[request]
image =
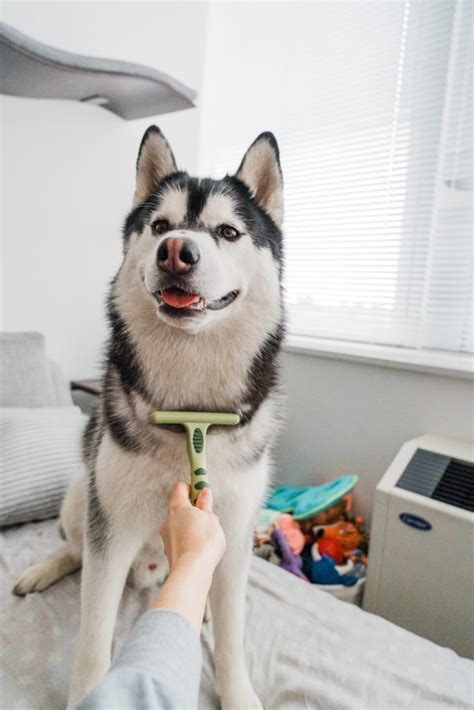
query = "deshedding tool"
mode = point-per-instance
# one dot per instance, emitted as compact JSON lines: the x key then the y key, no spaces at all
{"x":196,"y":425}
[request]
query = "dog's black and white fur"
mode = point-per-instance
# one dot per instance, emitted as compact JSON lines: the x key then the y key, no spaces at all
{"x":218,"y":354}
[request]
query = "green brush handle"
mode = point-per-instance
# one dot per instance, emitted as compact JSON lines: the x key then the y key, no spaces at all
{"x":196,"y":445}
{"x":196,"y":425}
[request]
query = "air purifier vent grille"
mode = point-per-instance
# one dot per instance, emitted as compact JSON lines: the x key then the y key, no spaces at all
{"x":441,"y":478}
{"x":456,"y":487}
{"x":423,"y":472}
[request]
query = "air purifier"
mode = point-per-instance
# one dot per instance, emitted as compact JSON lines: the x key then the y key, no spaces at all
{"x":421,"y":566}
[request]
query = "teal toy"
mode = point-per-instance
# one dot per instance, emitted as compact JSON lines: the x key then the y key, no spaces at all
{"x":196,"y":425}
{"x":307,"y":501}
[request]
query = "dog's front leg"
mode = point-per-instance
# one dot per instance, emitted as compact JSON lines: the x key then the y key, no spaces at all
{"x":104,"y":572}
{"x":227,"y":598}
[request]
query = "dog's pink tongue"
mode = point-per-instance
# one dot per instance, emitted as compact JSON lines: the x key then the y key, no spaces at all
{"x":178,"y":299}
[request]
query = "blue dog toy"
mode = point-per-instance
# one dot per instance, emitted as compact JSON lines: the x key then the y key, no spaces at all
{"x":307,"y":501}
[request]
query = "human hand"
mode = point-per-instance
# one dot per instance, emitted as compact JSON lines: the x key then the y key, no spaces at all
{"x":190,"y":533}
{"x":194,"y":545}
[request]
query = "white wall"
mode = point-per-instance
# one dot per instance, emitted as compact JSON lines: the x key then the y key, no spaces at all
{"x":68,"y":168}
{"x":347,"y":417}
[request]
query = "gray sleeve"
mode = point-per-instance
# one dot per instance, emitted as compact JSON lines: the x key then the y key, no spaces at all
{"x":159,"y":666}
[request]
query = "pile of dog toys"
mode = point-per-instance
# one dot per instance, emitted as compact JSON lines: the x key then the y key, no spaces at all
{"x":313,"y":533}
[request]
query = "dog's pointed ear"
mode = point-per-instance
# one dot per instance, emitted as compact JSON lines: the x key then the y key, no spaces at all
{"x":155,"y":161}
{"x":260,"y":170}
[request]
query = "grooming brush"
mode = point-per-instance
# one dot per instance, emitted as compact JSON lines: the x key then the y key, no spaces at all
{"x":196,"y":425}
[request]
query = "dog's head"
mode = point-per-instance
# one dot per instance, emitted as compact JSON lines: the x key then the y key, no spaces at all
{"x":200,"y":248}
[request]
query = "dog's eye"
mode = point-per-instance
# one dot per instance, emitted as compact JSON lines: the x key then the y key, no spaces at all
{"x":228,"y":232}
{"x":160,"y":226}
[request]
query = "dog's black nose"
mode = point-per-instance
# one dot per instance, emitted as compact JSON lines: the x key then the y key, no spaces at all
{"x":177,"y":256}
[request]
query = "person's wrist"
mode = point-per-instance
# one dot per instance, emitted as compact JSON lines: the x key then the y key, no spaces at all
{"x":199,"y":565}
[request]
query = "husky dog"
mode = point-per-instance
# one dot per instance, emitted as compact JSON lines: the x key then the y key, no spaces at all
{"x":195,"y":316}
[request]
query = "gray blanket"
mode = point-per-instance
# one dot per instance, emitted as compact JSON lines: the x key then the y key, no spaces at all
{"x":305,"y":649}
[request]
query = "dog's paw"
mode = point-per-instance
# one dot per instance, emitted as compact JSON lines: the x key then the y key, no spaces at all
{"x":35,"y":579}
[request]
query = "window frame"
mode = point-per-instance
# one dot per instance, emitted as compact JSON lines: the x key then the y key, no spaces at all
{"x":427,"y":361}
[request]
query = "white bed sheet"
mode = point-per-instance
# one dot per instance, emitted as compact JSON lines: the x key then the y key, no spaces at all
{"x":305,"y":649}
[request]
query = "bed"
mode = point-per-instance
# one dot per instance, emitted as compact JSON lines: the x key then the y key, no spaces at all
{"x":305,"y":649}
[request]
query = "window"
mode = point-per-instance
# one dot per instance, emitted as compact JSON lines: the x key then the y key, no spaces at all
{"x":371,"y":103}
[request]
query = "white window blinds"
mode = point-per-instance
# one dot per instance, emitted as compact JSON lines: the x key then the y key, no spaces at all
{"x":372,"y":105}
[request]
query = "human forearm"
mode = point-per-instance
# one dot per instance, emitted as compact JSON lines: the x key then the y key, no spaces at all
{"x":186,"y":589}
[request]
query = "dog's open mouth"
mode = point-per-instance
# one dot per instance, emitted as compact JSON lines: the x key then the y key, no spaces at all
{"x":178,"y":302}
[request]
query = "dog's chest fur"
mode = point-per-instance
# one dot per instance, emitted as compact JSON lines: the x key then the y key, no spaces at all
{"x":135,"y":487}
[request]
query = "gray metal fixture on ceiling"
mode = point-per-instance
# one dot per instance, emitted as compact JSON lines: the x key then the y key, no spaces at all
{"x":32,"y":69}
